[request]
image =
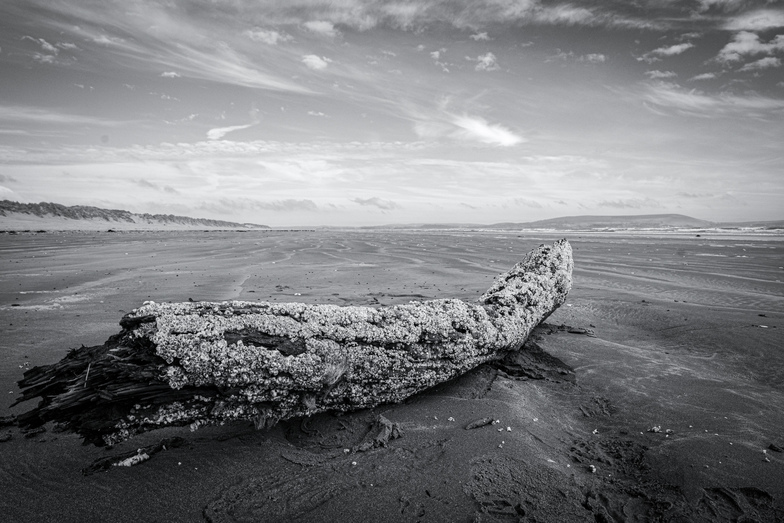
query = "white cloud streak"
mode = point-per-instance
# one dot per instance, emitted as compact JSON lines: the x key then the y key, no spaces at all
{"x":670,"y":96}
{"x":384,"y":205}
{"x":660,"y":74}
{"x":759,"y":20}
{"x":315,"y":63}
{"x":486,"y":62}
{"x":473,"y":128}
{"x":763,"y":63}
{"x":38,"y":115}
{"x":666,"y":51}
{"x":163,"y":37}
{"x":746,"y":43}
{"x":267,"y":36}
{"x":220,"y":132}
{"x":322,"y":27}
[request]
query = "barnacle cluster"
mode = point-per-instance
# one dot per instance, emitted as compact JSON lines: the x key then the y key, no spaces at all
{"x":345,"y":357}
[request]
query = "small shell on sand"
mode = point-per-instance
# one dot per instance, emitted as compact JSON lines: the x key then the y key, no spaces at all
{"x":479,"y":423}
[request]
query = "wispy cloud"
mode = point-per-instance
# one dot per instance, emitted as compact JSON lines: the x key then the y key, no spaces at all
{"x":220,"y":132}
{"x":759,"y":20}
{"x":316,"y":63}
{"x":170,"y":74}
{"x":723,"y":5}
{"x":486,"y":62}
{"x":763,"y":63}
{"x":746,"y":43}
{"x":631,"y":203}
{"x":141,"y":182}
{"x":593,"y":58}
{"x":660,"y":74}
{"x":666,"y":51}
{"x":235,"y":205}
{"x":8,"y":194}
{"x":384,"y":205}
{"x":48,"y":53}
{"x":474,"y":128}
{"x":526,"y":202}
{"x":666,"y":95}
{"x":322,"y":27}
{"x":267,"y":36}
{"x":151,"y":36}
{"x":38,"y":115}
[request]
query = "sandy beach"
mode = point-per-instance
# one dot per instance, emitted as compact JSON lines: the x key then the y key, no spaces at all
{"x":654,"y":394}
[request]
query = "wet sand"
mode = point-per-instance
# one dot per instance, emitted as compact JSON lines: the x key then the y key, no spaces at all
{"x":677,"y":332}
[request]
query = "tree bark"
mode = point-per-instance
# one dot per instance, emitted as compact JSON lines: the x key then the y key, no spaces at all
{"x":205,"y":363}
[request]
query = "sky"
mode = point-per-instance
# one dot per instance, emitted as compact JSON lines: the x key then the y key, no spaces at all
{"x":368,"y":112}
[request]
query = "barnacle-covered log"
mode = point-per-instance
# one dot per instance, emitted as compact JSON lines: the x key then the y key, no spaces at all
{"x":203,"y":363}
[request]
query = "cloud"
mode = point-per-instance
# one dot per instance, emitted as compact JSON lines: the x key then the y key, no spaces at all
{"x":4,"y":179}
{"x":760,"y":20}
{"x":170,"y":74}
{"x":315,"y":62}
{"x":36,"y":115}
{"x":486,"y":62}
{"x":666,"y":95}
{"x":695,"y":195}
{"x":704,"y":76}
{"x":141,"y":182}
{"x":384,"y":205}
{"x":480,"y":37}
{"x":220,"y":132}
{"x":660,"y":74}
{"x":477,"y":129}
{"x":525,"y":202}
{"x":746,"y":43}
{"x":362,"y":15}
{"x":146,"y":184}
{"x":44,"y":58}
{"x":630,"y":203}
{"x":436,"y":55}
{"x":49,"y":54}
{"x":723,"y":5}
{"x":671,"y":50}
{"x":322,"y":27}
{"x":763,"y":63}
{"x":233,"y":205}
{"x":594,"y":58}
{"x":165,"y":36}
{"x":267,"y":36}
{"x":8,"y":194}
{"x":317,"y":113}
{"x":45,"y":46}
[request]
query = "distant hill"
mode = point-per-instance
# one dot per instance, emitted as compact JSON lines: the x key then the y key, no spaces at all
{"x":45,"y":215}
{"x":599,"y":223}
{"x":645,"y":221}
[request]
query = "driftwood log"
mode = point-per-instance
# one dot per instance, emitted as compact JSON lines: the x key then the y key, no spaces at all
{"x":206,"y":363}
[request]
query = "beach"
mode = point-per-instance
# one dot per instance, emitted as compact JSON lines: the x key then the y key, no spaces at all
{"x":654,"y":393}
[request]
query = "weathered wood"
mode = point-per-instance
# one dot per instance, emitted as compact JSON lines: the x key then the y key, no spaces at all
{"x":204,"y":363}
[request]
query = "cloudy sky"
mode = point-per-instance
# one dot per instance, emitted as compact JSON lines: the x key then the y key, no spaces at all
{"x":358,"y":112}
